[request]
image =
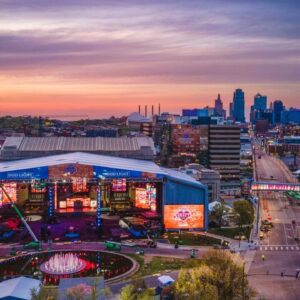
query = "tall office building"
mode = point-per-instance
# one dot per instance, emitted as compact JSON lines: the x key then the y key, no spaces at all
{"x":277,"y":109}
{"x":219,"y":111}
{"x":260,"y":102}
{"x":239,"y":106}
{"x":231,"y":110}
{"x":224,"y":153}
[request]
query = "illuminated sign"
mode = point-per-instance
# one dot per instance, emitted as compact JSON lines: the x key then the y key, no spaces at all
{"x":141,"y":199}
{"x":119,"y":185}
{"x":119,"y":173}
{"x":274,"y":187}
{"x":183,"y":216}
{"x":34,"y":173}
{"x":11,"y":190}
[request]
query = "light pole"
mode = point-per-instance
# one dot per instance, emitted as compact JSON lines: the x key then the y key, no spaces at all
{"x":243,"y":283}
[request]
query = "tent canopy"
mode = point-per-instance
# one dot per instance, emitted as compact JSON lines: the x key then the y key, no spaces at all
{"x":18,"y":288}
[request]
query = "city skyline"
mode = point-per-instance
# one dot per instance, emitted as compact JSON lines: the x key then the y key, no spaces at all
{"x":103,"y":58}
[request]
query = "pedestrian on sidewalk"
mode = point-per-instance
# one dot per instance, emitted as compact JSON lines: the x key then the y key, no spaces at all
{"x":263,"y":257}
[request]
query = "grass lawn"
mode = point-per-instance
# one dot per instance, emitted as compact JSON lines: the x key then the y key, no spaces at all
{"x":158,"y":264}
{"x":191,"y":239}
{"x":231,"y":232}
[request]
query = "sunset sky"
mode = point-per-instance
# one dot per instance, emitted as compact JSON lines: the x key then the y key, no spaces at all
{"x":103,"y":58}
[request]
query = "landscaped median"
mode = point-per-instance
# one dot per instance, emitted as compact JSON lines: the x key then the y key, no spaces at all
{"x":157,"y":264}
{"x":232,"y":232}
{"x":190,"y":239}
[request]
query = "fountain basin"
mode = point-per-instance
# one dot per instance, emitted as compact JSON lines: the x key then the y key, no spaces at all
{"x":63,"y":264}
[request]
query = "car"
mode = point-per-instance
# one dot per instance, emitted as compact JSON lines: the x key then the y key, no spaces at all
{"x":240,"y":237}
{"x":261,"y":235}
{"x":220,"y":247}
{"x":265,"y":228}
{"x":267,"y":223}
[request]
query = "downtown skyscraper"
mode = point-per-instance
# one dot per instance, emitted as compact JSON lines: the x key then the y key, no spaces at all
{"x":238,"y":106}
{"x":260,"y":102}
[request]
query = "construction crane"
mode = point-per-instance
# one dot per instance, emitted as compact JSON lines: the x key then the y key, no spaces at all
{"x":35,"y":243}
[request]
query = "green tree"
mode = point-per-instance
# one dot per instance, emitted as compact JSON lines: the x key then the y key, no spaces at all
{"x":44,"y":294}
{"x":220,"y":277}
{"x":245,"y":212}
{"x":134,"y":292}
{"x":218,"y":212}
{"x":227,"y":275}
{"x":128,"y":292}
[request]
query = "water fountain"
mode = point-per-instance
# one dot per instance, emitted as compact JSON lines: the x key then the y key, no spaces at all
{"x":63,"y":264}
{"x":51,"y":266}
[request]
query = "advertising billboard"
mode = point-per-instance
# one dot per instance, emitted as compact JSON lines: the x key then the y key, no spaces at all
{"x":146,"y":197}
{"x":183,"y":216}
{"x":119,"y":185}
{"x":141,"y":199}
{"x":11,"y":190}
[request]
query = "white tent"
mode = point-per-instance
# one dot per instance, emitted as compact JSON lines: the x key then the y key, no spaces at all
{"x":212,"y":205}
{"x":165,"y":280}
{"x":18,"y":288}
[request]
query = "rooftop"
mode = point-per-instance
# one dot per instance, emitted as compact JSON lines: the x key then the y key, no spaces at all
{"x":78,"y":143}
{"x":97,"y":160}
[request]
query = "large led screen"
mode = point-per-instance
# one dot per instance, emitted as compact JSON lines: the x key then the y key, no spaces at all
{"x":183,"y":216}
{"x":11,"y":190}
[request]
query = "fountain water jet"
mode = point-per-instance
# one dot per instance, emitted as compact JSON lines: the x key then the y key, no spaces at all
{"x":63,"y":263}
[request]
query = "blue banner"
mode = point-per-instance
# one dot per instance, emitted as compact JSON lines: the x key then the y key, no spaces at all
{"x":120,"y":173}
{"x":26,"y":174}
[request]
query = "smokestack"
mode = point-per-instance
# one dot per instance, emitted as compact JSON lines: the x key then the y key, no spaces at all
{"x":152,"y":110}
{"x":146,"y":111}
{"x":139,"y":109}
{"x":159,"y":109}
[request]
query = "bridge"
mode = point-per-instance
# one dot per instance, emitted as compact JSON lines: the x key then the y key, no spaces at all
{"x":276,"y":186}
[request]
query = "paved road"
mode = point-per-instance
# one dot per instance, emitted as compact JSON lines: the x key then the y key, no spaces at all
{"x":281,"y":251}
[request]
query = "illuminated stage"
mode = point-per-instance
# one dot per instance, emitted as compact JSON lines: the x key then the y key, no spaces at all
{"x":96,"y":184}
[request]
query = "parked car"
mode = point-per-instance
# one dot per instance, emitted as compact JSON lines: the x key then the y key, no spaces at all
{"x":265,"y":228}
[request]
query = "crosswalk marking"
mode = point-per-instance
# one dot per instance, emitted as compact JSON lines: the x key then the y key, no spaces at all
{"x":279,"y":248}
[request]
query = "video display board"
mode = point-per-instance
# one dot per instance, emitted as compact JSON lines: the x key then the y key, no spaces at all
{"x":146,"y":197}
{"x":184,"y":216}
{"x":11,"y":190}
{"x":119,"y":185}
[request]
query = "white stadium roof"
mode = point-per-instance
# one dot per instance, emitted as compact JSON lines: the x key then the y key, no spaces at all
{"x":105,"y":161}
